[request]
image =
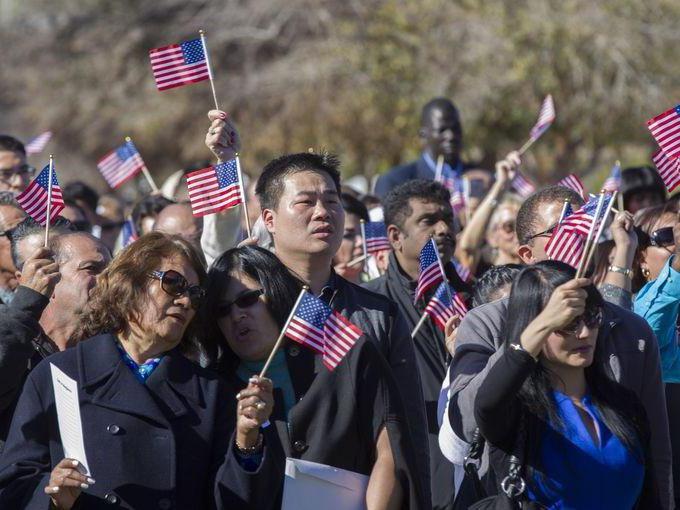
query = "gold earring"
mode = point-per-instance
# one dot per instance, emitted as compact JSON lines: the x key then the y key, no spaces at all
{"x":645,"y":273}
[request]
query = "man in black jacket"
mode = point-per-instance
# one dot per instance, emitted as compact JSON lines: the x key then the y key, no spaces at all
{"x":441,"y":135}
{"x":414,"y":211}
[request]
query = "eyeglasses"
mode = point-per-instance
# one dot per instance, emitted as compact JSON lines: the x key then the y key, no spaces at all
{"x":546,"y":232}
{"x":7,"y":174}
{"x":245,"y":300}
{"x":176,"y":285}
{"x":662,"y":237}
{"x":592,"y":319}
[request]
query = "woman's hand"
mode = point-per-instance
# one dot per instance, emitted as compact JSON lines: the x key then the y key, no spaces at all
{"x":222,"y":138}
{"x":255,"y":406}
{"x":625,"y":239}
{"x":567,"y":302}
{"x":450,"y":332}
{"x":507,"y":168}
{"x":65,"y":483}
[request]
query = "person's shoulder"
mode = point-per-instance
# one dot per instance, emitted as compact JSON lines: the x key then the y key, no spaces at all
{"x":491,"y":311}
{"x":626,"y":319}
{"x":376,"y":285}
{"x":364,"y":297}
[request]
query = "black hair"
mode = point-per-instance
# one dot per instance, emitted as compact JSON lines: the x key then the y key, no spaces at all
{"x":9,"y":143}
{"x":396,"y":205}
{"x":280,"y":287}
{"x":489,"y":286}
{"x":29,"y":227}
{"x":530,"y":292}
{"x":271,"y":183}
{"x":78,"y":190}
{"x":438,"y":103}
{"x":7,"y":198}
{"x":353,"y":205}
{"x":526,"y":216}
{"x":150,"y":205}
{"x":641,"y":179}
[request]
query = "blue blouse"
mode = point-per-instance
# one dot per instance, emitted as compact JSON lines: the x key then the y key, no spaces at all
{"x":579,"y":473}
{"x":143,"y":371}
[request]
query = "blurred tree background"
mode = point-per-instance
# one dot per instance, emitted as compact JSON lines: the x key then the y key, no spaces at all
{"x":349,"y":76}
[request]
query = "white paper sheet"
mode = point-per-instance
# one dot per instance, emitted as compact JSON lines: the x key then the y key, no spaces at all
{"x":309,"y":485}
{"x":68,"y":416}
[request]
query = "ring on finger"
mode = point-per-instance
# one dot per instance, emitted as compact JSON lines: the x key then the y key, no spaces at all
{"x":260,"y":405}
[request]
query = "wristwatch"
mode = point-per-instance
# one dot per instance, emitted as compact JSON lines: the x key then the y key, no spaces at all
{"x":623,"y":270}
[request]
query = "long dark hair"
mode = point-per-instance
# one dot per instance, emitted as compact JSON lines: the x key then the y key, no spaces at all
{"x":530,"y":292}
{"x":280,"y":287}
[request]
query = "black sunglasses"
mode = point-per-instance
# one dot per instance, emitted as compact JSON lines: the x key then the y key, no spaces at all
{"x":245,"y":300}
{"x":591,"y":319}
{"x":176,"y":285}
{"x":546,"y":232}
{"x":662,"y":237}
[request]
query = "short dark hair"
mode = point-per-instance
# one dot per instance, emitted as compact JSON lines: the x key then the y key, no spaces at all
{"x":526,"y":216}
{"x":78,"y":190}
{"x":7,"y":198}
{"x":396,"y":205}
{"x":150,"y":205}
{"x":641,"y":179}
{"x":488,"y":286}
{"x":437,"y":103}
{"x":280,"y":287}
{"x":9,"y":143}
{"x":29,"y":227}
{"x":271,"y":182}
{"x":353,"y":205}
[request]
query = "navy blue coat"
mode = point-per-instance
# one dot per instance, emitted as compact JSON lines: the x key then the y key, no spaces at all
{"x":161,"y":444}
{"x":417,"y":169}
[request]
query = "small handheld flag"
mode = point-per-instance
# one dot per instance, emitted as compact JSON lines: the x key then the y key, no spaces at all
{"x":665,"y":129}
{"x":40,"y":197}
{"x":38,"y":144}
{"x":121,"y":164}
{"x":430,"y":269}
{"x":215,"y":188}
{"x":326,"y":332}
{"x":546,"y":116}
{"x":613,"y":182}
{"x":522,"y":185}
{"x":581,"y":221}
{"x":444,"y":304}
{"x":572,"y":182}
{"x":179,"y":64}
{"x":129,"y":233}
{"x":376,"y":237}
{"x":668,"y":168}
{"x":566,"y":245}
{"x":463,"y":272}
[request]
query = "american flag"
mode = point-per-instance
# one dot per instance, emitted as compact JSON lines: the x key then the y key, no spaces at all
{"x":613,"y":182}
{"x":318,"y":327}
{"x":179,"y":64}
{"x":121,"y":164}
{"x":546,"y":116}
{"x":565,"y":245}
{"x":462,"y":271}
{"x":665,"y":129}
{"x":582,"y":219}
{"x":37,"y":144}
{"x":215,"y":188}
{"x":33,"y":199}
{"x":129,"y":232}
{"x":376,"y":237}
{"x":522,"y":185}
{"x":430,"y":270}
{"x":669,"y":169}
{"x":572,"y":182}
{"x":457,"y":196}
{"x":440,"y":308}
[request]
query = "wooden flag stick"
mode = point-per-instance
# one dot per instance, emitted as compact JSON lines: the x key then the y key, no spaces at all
{"x":282,"y":335}
{"x":439,"y":168}
{"x":355,"y":261}
{"x":600,"y":229}
{"x":362,"y":223}
{"x":526,"y":145}
{"x":422,"y":320}
{"x":49,"y":201}
{"x":243,"y":194}
{"x":466,"y":200}
{"x":591,"y":232}
{"x":564,"y":211}
{"x":145,"y":171}
{"x":207,"y":63}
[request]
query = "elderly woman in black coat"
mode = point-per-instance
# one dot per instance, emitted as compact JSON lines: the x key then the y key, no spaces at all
{"x":155,"y":425}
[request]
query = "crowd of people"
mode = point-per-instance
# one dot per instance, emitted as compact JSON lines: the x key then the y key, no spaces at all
{"x":552,"y":391}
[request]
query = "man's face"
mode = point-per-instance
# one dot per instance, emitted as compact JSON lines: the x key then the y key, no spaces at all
{"x":427,"y":219}
{"x":443,"y":135}
{"x":177,"y":219}
{"x":10,"y":217}
{"x":547,"y":216}
{"x":14,"y":174}
{"x":83,"y":258}
{"x":309,"y":217}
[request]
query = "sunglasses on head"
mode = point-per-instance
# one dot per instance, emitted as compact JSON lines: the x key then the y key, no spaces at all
{"x":176,"y":285}
{"x":245,"y":300}
{"x":592,"y":319}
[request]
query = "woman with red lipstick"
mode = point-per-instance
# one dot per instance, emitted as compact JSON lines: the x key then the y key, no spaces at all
{"x":563,"y":432}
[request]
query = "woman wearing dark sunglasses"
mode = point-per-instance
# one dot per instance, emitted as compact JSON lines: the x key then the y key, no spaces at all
{"x":350,"y":418}
{"x":582,"y":438}
{"x":658,"y":301}
{"x":154,"y":423}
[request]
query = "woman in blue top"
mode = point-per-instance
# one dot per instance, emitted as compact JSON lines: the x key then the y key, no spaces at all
{"x":585,"y":435}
